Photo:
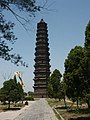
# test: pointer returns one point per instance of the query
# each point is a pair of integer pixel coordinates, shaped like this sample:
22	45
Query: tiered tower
42	66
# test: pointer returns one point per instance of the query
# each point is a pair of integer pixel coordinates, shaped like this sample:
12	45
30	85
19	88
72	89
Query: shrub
29	98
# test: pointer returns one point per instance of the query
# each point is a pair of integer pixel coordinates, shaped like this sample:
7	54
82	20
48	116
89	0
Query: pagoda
42	66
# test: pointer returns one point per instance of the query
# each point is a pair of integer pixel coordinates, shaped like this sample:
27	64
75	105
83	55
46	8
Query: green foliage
72	73
77	71
11	91
7	36
85	65
54	84
29	98
73	59
63	88
23	5
50	89
87	36
6	27
30	93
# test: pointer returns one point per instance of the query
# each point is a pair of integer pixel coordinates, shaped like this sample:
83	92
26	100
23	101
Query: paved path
36	110
40	110
11	115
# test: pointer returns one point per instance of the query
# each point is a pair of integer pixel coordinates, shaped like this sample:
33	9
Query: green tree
50	89
72	73
11	91
62	92
85	66
6	27
30	93
54	84
87	36
77	71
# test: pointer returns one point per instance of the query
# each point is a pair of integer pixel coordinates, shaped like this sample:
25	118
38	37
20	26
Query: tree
62	91
85	66
54	84
30	93
87	36
72	74
50	89
77	71
6	33
11	91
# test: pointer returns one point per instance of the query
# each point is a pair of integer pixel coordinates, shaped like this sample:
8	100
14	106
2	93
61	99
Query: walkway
39	110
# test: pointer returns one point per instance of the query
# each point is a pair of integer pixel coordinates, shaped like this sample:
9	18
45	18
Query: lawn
4	107
71	112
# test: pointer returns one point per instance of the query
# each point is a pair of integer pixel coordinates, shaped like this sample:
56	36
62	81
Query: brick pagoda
42	66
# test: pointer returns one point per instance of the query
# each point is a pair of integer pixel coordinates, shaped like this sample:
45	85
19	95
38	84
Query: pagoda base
40	93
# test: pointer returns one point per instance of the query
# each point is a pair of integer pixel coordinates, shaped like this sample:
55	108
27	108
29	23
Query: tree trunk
8	104
15	103
65	102
59	99
88	103
77	103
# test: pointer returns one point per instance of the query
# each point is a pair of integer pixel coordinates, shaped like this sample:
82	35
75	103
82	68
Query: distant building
42	66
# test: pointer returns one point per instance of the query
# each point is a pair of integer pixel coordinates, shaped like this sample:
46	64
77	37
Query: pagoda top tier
42	25
42	21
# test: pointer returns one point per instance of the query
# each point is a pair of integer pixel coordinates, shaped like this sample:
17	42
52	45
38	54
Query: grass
69	113
4	107
54	102
57	115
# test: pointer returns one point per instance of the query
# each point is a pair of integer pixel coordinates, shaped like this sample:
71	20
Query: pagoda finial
42	20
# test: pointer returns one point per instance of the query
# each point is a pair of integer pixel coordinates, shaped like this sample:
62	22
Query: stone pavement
40	110
11	115
36	110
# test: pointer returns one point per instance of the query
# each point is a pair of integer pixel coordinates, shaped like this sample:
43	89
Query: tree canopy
77	71
6	27
85	66
54	84
11	91
87	35
71	75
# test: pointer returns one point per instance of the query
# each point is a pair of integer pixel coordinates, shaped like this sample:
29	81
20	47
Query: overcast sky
66	20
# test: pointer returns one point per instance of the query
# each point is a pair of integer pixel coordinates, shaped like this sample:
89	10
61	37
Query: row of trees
76	79
77	71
